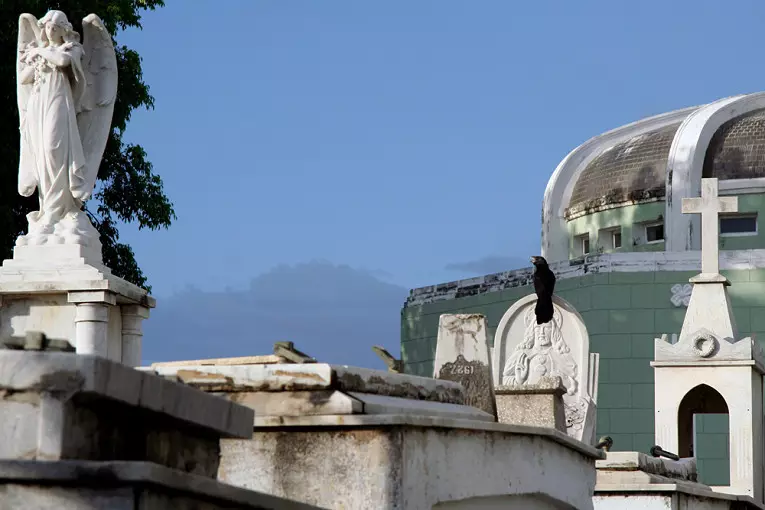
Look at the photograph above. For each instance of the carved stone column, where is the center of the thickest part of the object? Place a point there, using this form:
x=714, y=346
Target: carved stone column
x=92, y=321
x=132, y=333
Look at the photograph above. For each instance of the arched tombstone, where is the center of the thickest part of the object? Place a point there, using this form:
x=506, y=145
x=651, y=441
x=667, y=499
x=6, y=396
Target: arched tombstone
x=525, y=351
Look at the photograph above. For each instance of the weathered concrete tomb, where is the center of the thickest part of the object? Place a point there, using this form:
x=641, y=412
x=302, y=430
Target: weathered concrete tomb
x=84, y=432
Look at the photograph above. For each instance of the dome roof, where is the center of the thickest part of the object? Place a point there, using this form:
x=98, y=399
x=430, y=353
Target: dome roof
x=635, y=170
x=737, y=149
x=628, y=171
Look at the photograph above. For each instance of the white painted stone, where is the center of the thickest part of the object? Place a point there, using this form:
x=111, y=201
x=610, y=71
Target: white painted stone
x=91, y=321
x=709, y=206
x=741, y=388
x=462, y=355
x=525, y=351
x=742, y=186
x=296, y=403
x=406, y=462
x=681, y=294
x=378, y=404
x=709, y=353
x=51, y=62
x=313, y=376
x=686, y=162
x=667, y=497
x=68, y=485
x=131, y=334
x=623, y=462
x=631, y=262
x=64, y=375
x=511, y=502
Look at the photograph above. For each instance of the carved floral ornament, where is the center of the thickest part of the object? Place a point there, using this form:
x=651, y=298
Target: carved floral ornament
x=681, y=294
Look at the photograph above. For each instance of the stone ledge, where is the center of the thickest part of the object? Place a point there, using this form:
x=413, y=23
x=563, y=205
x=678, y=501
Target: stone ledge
x=24, y=281
x=603, y=263
x=333, y=402
x=268, y=359
x=313, y=376
x=689, y=488
x=545, y=386
x=684, y=469
x=71, y=374
x=393, y=420
x=145, y=474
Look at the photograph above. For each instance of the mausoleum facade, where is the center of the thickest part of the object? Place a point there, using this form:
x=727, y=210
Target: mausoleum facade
x=615, y=235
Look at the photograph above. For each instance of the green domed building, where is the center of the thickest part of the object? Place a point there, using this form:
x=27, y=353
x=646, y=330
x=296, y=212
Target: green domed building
x=614, y=233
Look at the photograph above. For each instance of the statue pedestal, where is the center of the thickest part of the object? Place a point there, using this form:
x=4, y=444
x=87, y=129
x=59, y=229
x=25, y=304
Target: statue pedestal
x=66, y=292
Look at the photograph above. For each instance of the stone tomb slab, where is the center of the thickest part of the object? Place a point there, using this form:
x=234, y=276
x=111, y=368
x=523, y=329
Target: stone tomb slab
x=462, y=356
x=78, y=485
x=288, y=391
x=56, y=406
x=312, y=377
x=409, y=462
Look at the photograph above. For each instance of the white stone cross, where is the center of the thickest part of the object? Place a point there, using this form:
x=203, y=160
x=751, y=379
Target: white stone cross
x=709, y=205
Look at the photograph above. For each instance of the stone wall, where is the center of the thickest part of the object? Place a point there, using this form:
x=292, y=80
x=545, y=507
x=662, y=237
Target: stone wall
x=624, y=312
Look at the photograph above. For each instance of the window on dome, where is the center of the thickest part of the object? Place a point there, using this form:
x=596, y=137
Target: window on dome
x=616, y=239
x=582, y=244
x=738, y=225
x=610, y=238
x=654, y=232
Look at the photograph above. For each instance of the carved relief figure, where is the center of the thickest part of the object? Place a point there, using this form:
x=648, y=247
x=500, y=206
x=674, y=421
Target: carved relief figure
x=66, y=92
x=543, y=352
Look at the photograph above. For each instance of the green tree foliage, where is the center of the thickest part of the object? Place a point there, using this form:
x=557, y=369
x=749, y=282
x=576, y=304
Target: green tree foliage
x=127, y=189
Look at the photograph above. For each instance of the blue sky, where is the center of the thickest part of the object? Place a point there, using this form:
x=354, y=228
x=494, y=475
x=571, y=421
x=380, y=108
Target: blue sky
x=324, y=157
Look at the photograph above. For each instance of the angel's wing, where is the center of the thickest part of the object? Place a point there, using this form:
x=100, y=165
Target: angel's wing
x=94, y=119
x=29, y=32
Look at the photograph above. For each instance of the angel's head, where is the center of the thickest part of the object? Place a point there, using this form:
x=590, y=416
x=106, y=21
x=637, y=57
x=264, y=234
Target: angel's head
x=56, y=29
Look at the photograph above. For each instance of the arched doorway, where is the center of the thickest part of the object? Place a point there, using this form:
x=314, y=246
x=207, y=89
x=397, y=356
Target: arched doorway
x=703, y=432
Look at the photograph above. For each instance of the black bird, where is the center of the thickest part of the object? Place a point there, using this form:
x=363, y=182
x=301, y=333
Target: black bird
x=544, y=285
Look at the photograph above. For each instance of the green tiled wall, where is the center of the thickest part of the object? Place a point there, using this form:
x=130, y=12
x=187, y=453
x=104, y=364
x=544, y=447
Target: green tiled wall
x=623, y=312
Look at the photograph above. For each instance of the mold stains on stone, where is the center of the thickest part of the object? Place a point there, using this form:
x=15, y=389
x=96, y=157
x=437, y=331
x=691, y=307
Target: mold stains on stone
x=737, y=149
x=206, y=381
x=301, y=375
x=96, y=476
x=355, y=450
x=628, y=172
x=349, y=382
x=668, y=192
x=319, y=398
x=614, y=199
x=61, y=382
x=23, y=397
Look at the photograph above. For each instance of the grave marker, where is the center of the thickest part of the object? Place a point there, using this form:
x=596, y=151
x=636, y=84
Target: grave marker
x=462, y=355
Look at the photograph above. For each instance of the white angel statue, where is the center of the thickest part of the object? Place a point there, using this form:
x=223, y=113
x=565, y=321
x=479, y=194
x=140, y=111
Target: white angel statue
x=66, y=93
